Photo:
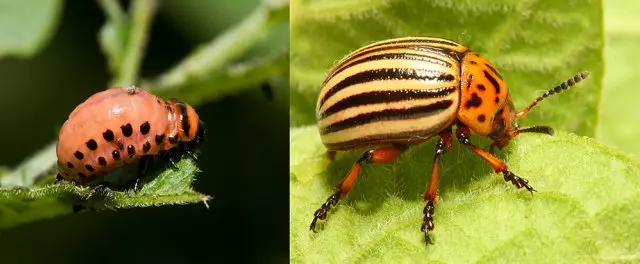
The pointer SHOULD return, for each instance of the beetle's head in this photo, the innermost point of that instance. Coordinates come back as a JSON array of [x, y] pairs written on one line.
[[505, 126]]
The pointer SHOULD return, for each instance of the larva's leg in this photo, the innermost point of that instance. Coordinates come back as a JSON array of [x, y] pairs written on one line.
[[143, 167], [380, 155], [430, 194]]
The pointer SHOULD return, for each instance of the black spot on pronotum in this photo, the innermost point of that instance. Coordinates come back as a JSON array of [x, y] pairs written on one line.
[[159, 139], [481, 87], [144, 128], [78, 155], [473, 62], [493, 81], [146, 147], [91, 144], [102, 161], [475, 101], [481, 118], [89, 167], [108, 135], [69, 165], [131, 150], [127, 130], [173, 139], [116, 155]]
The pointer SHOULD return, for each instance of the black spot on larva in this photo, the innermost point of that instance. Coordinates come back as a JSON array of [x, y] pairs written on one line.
[[159, 139], [78, 155], [481, 87], [120, 145], [158, 101], [81, 175], [173, 139], [69, 165], [144, 128], [146, 147], [88, 167], [116, 155], [91, 144], [473, 62], [108, 135], [497, 100], [475, 101], [131, 150], [127, 130], [481, 118], [102, 161]]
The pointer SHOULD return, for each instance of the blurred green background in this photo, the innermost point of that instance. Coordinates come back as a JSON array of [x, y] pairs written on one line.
[[619, 117], [244, 159]]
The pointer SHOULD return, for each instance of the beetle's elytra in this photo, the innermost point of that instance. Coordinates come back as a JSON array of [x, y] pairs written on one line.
[[119, 126], [395, 93]]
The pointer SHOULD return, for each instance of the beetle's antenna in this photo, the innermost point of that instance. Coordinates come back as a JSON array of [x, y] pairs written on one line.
[[558, 89]]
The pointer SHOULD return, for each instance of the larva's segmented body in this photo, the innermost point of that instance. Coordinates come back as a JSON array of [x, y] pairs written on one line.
[[398, 92]]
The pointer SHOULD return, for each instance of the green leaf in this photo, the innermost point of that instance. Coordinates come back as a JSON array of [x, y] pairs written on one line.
[[221, 68], [535, 44], [584, 210], [27, 26], [620, 93], [170, 187]]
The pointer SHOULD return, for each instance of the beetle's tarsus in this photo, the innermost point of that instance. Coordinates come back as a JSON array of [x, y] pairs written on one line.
[[321, 213]]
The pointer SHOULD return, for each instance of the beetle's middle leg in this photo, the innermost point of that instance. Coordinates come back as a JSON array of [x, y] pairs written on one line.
[[379, 155], [430, 194]]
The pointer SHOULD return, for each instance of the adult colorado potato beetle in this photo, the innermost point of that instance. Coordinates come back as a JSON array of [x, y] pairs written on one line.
[[122, 125], [395, 93]]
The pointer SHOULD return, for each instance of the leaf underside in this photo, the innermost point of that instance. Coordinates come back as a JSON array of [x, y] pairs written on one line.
[[170, 187]]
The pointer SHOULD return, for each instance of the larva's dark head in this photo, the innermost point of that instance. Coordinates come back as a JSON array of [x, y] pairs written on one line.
[[505, 126], [190, 128]]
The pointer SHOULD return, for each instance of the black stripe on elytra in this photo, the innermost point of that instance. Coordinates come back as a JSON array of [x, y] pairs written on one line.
[[387, 74], [363, 54], [184, 119], [394, 56], [378, 138], [388, 114], [492, 81], [493, 70], [416, 40], [376, 97]]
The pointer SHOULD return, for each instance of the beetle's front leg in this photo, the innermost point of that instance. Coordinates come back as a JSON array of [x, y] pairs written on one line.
[[463, 134]]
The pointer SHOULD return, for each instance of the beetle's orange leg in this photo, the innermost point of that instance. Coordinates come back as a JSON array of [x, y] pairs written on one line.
[[380, 155], [463, 135], [431, 193]]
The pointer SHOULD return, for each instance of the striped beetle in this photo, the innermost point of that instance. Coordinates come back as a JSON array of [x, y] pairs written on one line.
[[398, 92]]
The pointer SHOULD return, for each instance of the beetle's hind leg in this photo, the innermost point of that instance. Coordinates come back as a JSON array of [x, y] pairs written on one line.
[[379, 155], [431, 193]]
